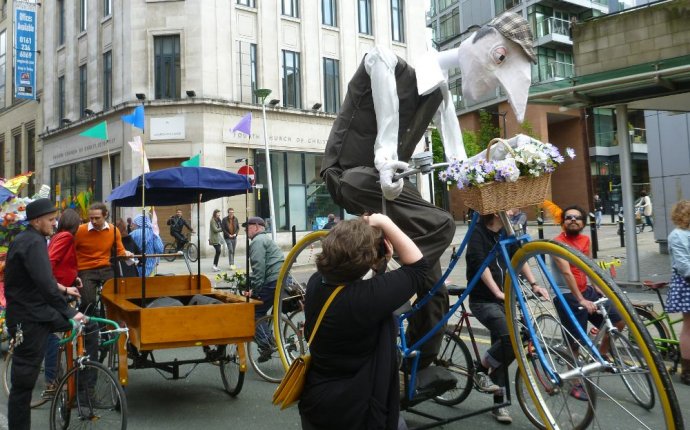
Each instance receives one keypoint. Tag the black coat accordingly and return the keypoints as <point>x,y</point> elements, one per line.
<point>30,287</point>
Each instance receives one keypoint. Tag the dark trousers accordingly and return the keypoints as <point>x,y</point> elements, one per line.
<point>431,228</point>
<point>231,243</point>
<point>180,240</point>
<point>493,317</point>
<point>90,279</point>
<point>266,295</point>
<point>217,256</point>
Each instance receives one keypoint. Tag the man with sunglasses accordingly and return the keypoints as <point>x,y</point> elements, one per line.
<point>578,294</point>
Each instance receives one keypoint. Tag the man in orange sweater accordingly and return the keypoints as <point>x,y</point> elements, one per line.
<point>94,242</point>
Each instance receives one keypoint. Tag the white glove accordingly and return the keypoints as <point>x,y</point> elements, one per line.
<point>391,190</point>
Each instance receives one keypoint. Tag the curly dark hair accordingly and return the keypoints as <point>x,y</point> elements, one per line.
<point>349,250</point>
<point>69,221</point>
<point>680,214</point>
<point>583,213</point>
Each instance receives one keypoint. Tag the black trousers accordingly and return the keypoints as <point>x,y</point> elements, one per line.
<point>26,366</point>
<point>493,317</point>
<point>180,240</point>
<point>431,228</point>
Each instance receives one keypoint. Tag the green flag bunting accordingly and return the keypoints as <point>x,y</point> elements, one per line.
<point>192,162</point>
<point>98,131</point>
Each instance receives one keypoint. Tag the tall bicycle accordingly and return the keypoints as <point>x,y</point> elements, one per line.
<point>554,405</point>
<point>189,249</point>
<point>88,394</point>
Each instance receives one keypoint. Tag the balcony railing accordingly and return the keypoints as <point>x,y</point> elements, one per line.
<point>554,70</point>
<point>553,25</point>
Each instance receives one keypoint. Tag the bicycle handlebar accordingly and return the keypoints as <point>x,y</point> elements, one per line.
<point>423,169</point>
<point>78,326</point>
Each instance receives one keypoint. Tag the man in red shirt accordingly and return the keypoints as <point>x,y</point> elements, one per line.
<point>578,294</point>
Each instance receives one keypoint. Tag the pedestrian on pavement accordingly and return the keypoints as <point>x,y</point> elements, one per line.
<point>143,232</point>
<point>331,222</point>
<point>487,305</point>
<point>177,224</point>
<point>266,258</point>
<point>679,294</point>
<point>598,209</point>
<point>578,294</point>
<point>354,354</point>
<point>35,307</point>
<point>645,205</point>
<point>231,227</point>
<point>96,242</point>
<point>215,236</point>
<point>63,262</point>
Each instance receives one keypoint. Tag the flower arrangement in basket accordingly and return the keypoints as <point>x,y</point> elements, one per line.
<point>238,281</point>
<point>516,175</point>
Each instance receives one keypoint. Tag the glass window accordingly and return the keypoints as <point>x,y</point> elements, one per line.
<point>449,26</point>
<point>248,68</point>
<point>31,158</point>
<point>3,66</point>
<point>455,89</point>
<point>503,5</point>
<point>167,66</point>
<point>82,15</point>
<point>292,87</point>
<point>291,8</point>
<point>364,13</point>
<point>2,155</point>
<point>329,12</point>
<point>61,100</point>
<point>331,85</point>
<point>248,3</point>
<point>397,20</point>
<point>254,70</point>
<point>107,7</point>
<point>82,90</point>
<point>61,22</point>
<point>17,140</point>
<point>77,178</point>
<point>107,80</point>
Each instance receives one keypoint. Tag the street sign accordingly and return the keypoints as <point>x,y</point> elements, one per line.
<point>247,171</point>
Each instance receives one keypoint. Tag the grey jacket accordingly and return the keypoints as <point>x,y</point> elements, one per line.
<point>266,259</point>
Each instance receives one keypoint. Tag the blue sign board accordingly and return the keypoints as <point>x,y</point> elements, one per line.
<point>25,55</point>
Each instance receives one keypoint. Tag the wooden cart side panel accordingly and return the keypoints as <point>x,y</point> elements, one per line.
<point>156,286</point>
<point>205,324</point>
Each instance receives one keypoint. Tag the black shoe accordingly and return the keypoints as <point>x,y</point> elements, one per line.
<point>264,355</point>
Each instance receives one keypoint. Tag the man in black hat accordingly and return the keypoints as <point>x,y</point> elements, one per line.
<point>35,307</point>
<point>266,259</point>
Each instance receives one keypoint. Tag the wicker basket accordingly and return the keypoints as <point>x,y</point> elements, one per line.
<point>500,196</point>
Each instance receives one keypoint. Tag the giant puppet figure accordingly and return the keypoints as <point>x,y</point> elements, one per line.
<point>386,111</point>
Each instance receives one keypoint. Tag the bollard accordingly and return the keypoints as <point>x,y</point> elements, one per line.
<point>621,230</point>
<point>593,234</point>
<point>294,235</point>
<point>540,225</point>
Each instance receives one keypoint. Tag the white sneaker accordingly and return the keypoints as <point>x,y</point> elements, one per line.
<point>484,383</point>
<point>502,415</point>
<point>216,269</point>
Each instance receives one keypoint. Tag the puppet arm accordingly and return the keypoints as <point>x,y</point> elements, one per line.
<point>380,65</point>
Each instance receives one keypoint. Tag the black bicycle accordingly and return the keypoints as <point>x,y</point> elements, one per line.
<point>189,250</point>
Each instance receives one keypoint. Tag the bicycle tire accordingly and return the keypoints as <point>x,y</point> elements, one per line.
<point>628,360</point>
<point>581,417</point>
<point>666,414</point>
<point>103,405</point>
<point>271,369</point>
<point>299,265</point>
<point>39,396</point>
<point>658,330</point>
<point>456,358</point>
<point>170,249</point>
<point>231,371</point>
<point>192,252</point>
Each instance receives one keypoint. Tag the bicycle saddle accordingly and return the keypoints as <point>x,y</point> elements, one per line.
<point>655,285</point>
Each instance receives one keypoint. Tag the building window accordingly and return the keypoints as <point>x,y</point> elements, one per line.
<point>300,198</point>
<point>331,85</point>
<point>364,12</point>
<point>17,140</point>
<point>3,67</point>
<point>291,8</point>
<point>167,66</point>
<point>450,26</point>
<point>31,158</point>
<point>248,70</point>
<point>61,22</point>
<point>78,178</point>
<point>82,90</point>
<point>107,7</point>
<point>61,100</point>
<point>83,9</point>
<point>455,89</point>
<point>504,5</point>
<point>329,12</point>
<point>248,3</point>
<point>2,155</point>
<point>397,20</point>
<point>292,86</point>
<point>107,80</point>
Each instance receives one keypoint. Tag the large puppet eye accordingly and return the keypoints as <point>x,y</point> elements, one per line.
<point>499,54</point>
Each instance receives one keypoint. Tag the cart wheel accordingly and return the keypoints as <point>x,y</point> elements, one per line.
<point>230,372</point>
<point>170,249</point>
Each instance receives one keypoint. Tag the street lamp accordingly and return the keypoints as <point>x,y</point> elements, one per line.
<point>262,93</point>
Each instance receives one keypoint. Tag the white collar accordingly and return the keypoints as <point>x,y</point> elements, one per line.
<point>105,227</point>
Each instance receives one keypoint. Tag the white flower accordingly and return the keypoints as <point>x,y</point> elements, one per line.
<point>570,152</point>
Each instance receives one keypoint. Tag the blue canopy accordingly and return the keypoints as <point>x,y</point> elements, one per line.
<point>180,185</point>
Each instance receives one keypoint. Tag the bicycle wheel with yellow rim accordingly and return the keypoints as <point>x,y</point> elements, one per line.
<point>291,286</point>
<point>596,396</point>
